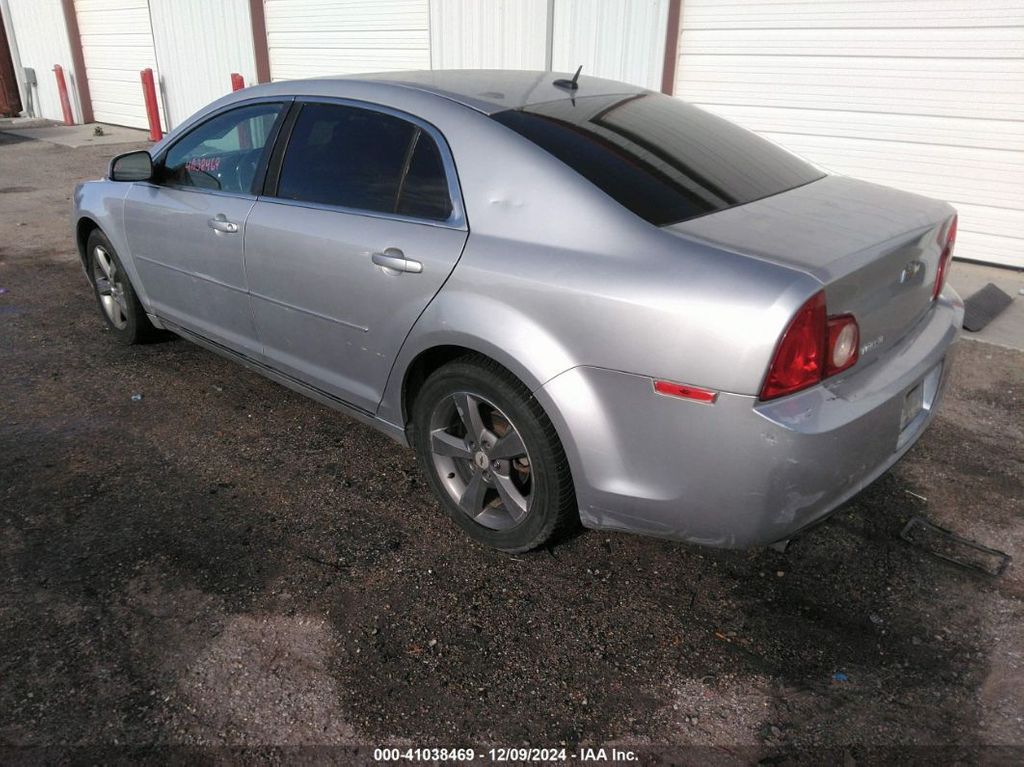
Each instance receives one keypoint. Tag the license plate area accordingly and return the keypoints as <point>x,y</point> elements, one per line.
<point>913,404</point>
<point>918,401</point>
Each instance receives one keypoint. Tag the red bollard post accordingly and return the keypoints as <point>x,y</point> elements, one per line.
<point>152,111</point>
<point>244,136</point>
<point>62,89</point>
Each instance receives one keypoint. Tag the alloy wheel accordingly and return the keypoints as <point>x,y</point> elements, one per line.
<point>109,287</point>
<point>481,460</point>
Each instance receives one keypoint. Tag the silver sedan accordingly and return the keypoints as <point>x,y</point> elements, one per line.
<point>578,301</point>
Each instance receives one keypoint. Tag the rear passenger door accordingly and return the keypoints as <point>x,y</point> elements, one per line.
<point>360,224</point>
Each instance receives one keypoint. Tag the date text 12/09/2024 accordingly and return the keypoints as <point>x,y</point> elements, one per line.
<point>599,754</point>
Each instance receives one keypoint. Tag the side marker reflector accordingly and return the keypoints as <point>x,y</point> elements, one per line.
<point>683,391</point>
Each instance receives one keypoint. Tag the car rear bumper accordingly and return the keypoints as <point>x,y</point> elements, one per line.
<point>741,472</point>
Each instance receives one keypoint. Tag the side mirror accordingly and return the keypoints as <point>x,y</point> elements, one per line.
<point>133,166</point>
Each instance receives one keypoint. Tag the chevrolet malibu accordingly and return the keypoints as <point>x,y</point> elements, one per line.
<point>577,300</point>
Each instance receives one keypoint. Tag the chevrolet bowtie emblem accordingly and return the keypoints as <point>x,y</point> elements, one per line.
<point>910,270</point>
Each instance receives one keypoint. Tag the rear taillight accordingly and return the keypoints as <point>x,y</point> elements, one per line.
<point>800,356</point>
<point>944,259</point>
<point>814,346</point>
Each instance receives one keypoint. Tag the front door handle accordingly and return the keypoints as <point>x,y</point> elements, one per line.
<point>221,224</point>
<point>394,261</point>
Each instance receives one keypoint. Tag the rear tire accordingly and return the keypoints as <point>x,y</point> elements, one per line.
<point>115,295</point>
<point>492,456</point>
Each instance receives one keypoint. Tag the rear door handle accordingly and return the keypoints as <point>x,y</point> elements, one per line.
<point>221,224</point>
<point>394,261</point>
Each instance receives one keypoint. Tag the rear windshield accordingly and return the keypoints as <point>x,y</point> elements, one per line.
<point>663,159</point>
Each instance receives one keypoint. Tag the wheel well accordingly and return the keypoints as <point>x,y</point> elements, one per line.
<point>419,371</point>
<point>82,231</point>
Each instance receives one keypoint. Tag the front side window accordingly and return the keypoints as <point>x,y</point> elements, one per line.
<point>223,153</point>
<point>365,160</point>
<point>661,158</point>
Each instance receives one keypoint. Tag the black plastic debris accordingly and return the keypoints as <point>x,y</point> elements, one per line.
<point>947,545</point>
<point>984,306</point>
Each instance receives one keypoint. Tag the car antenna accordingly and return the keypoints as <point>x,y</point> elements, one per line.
<point>570,84</point>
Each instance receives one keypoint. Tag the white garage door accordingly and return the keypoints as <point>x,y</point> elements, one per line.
<point>309,38</point>
<point>509,34</point>
<point>199,44</point>
<point>42,40</point>
<point>618,39</point>
<point>927,96</point>
<point>117,44</point>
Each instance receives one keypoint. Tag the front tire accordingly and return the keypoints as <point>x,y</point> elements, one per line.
<point>492,456</point>
<point>115,295</point>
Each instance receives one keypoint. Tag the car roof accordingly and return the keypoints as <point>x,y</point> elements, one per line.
<point>485,90</point>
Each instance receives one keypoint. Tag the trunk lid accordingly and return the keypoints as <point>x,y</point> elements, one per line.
<point>875,249</point>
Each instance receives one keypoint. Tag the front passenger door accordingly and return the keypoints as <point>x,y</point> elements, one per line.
<point>185,229</point>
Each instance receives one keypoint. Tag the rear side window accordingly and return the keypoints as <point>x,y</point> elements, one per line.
<point>366,160</point>
<point>424,192</point>
<point>663,159</point>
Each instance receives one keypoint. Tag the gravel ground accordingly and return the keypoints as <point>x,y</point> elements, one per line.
<point>224,562</point>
